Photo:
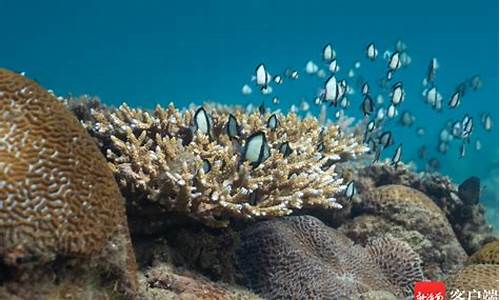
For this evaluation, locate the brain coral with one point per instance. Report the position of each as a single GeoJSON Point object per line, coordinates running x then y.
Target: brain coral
{"type": "Point", "coordinates": [301, 258]}
{"type": "Point", "coordinates": [57, 194]}
{"type": "Point", "coordinates": [482, 278]}
{"type": "Point", "coordinates": [418, 220]}
{"type": "Point", "coordinates": [488, 254]}
{"type": "Point", "coordinates": [162, 157]}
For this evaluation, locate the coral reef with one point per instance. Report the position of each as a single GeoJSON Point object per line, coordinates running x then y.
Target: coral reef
{"type": "Point", "coordinates": [163, 278]}
{"type": "Point", "coordinates": [301, 258]}
{"type": "Point", "coordinates": [413, 217]}
{"type": "Point", "coordinates": [197, 163]}
{"type": "Point", "coordinates": [488, 254]}
{"type": "Point", "coordinates": [58, 200]}
{"type": "Point", "coordinates": [479, 278]}
{"type": "Point", "coordinates": [466, 218]}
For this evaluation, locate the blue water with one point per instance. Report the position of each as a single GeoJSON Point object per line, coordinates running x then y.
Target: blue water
{"type": "Point", "coordinates": [148, 52]}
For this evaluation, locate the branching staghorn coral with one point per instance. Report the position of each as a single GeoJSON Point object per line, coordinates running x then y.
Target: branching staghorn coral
{"type": "Point", "coordinates": [161, 156]}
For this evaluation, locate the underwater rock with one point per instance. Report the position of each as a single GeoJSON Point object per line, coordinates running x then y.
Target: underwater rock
{"type": "Point", "coordinates": [301, 258]}
{"type": "Point", "coordinates": [468, 221]}
{"type": "Point", "coordinates": [62, 215]}
{"type": "Point", "coordinates": [413, 217]}
{"type": "Point", "coordinates": [163, 158]}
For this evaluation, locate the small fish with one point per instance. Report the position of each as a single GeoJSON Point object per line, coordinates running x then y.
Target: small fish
{"type": "Point", "coordinates": [351, 73]}
{"type": "Point", "coordinates": [273, 122]}
{"type": "Point", "coordinates": [422, 152]}
{"type": "Point", "coordinates": [478, 145]}
{"type": "Point", "coordinates": [442, 147]}
{"type": "Point", "coordinates": [394, 62]}
{"type": "Point", "coordinates": [331, 89]}
{"type": "Point", "coordinates": [321, 73]}
{"type": "Point", "coordinates": [206, 166]}
{"type": "Point", "coordinates": [304, 106]}
{"type": "Point", "coordinates": [407, 119]}
{"type": "Point", "coordinates": [293, 74]}
{"type": "Point", "coordinates": [371, 52]}
{"type": "Point", "coordinates": [400, 45]}
{"type": "Point", "coordinates": [392, 111]}
{"type": "Point", "coordinates": [328, 53]}
{"type": "Point", "coordinates": [311, 67]}
{"type": "Point", "coordinates": [344, 103]}
{"type": "Point", "coordinates": [365, 89]}
{"type": "Point", "coordinates": [357, 65]}
{"type": "Point", "coordinates": [321, 147]}
{"type": "Point", "coordinates": [262, 108]}
{"type": "Point", "coordinates": [454, 100]}
{"type": "Point", "coordinates": [487, 122]}
{"type": "Point", "coordinates": [275, 100]}
{"type": "Point", "coordinates": [266, 90]}
{"type": "Point", "coordinates": [389, 75]}
{"type": "Point", "coordinates": [475, 82]}
{"type": "Point", "coordinates": [246, 90]}
{"type": "Point", "coordinates": [202, 121]}
{"type": "Point", "coordinates": [350, 190]}
{"type": "Point", "coordinates": [397, 93]}
{"type": "Point", "coordinates": [380, 99]}
{"type": "Point", "coordinates": [380, 114]}
{"type": "Point", "coordinates": [405, 59]}
{"type": "Point", "coordinates": [456, 129]}
{"type": "Point", "coordinates": [420, 131]}
{"type": "Point", "coordinates": [431, 70]}
{"type": "Point", "coordinates": [285, 149]}
{"type": "Point", "coordinates": [470, 190]}
{"type": "Point", "coordinates": [256, 149]}
{"type": "Point", "coordinates": [278, 79]}
{"type": "Point", "coordinates": [370, 126]}
{"type": "Point", "coordinates": [317, 100]}
{"type": "Point", "coordinates": [432, 96]}
{"type": "Point", "coordinates": [462, 150]}
{"type": "Point", "coordinates": [444, 135]}
{"type": "Point", "coordinates": [396, 158]}
{"type": "Point", "coordinates": [385, 139]}
{"type": "Point", "coordinates": [232, 127]}
{"type": "Point", "coordinates": [367, 105]}
{"type": "Point", "coordinates": [333, 67]}
{"type": "Point", "coordinates": [467, 126]}
{"type": "Point", "coordinates": [261, 76]}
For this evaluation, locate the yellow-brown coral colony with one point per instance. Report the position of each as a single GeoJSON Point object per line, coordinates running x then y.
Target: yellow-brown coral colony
{"type": "Point", "coordinates": [161, 155]}
{"type": "Point", "coordinates": [57, 194]}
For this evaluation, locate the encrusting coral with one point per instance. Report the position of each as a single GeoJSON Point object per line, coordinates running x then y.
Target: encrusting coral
{"type": "Point", "coordinates": [58, 199]}
{"type": "Point", "coordinates": [301, 258]}
{"type": "Point", "coordinates": [205, 170]}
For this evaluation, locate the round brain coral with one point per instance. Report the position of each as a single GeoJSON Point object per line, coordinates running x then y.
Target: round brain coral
{"type": "Point", "coordinates": [488, 254]}
{"type": "Point", "coordinates": [57, 194]}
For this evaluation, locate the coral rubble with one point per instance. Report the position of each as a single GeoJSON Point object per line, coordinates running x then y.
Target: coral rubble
{"type": "Point", "coordinates": [58, 200]}
{"type": "Point", "coordinates": [301, 258]}
{"type": "Point", "coordinates": [161, 157]}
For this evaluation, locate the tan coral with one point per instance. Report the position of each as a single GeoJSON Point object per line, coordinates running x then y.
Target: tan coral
{"type": "Point", "coordinates": [398, 206]}
{"type": "Point", "coordinates": [488, 254]}
{"type": "Point", "coordinates": [157, 155]}
{"type": "Point", "coordinates": [57, 194]}
{"type": "Point", "coordinates": [472, 279]}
